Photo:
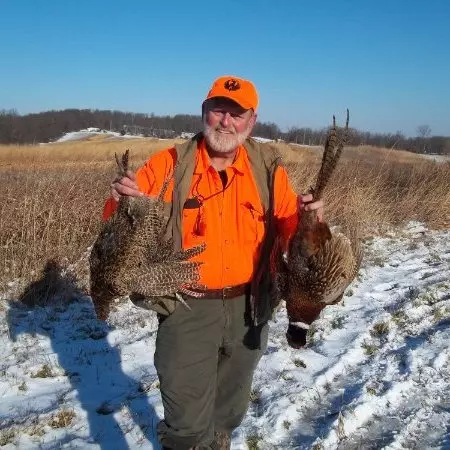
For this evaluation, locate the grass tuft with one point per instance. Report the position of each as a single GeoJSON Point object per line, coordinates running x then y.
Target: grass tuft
{"type": "Point", "coordinates": [23, 387]}
{"type": "Point", "coordinates": [7, 436]}
{"type": "Point", "coordinates": [369, 349]}
{"type": "Point", "coordinates": [253, 441]}
{"type": "Point", "coordinates": [44, 372]}
{"type": "Point", "coordinates": [62, 419]}
{"type": "Point", "coordinates": [380, 329]}
{"type": "Point", "coordinates": [299, 363]}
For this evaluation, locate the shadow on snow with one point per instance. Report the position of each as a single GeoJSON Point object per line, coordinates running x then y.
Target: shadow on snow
{"type": "Point", "coordinates": [56, 309]}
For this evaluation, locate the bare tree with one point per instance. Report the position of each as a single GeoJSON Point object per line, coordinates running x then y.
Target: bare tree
{"type": "Point", "coordinates": [424, 131]}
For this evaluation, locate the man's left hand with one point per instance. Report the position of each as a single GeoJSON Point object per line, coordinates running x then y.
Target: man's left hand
{"type": "Point", "coordinates": [306, 203]}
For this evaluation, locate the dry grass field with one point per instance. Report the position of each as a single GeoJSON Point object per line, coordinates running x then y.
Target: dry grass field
{"type": "Point", "coordinates": [52, 195]}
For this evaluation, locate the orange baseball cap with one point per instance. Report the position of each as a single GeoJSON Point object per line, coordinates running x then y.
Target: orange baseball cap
{"type": "Point", "coordinates": [237, 89]}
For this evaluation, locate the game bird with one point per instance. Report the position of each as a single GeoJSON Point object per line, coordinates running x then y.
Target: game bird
{"type": "Point", "coordinates": [132, 256]}
{"type": "Point", "coordinates": [319, 264]}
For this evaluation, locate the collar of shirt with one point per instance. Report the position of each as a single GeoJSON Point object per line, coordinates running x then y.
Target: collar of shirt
{"type": "Point", "coordinates": [203, 163]}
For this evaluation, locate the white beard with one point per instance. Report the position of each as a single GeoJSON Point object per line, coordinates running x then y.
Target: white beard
{"type": "Point", "coordinates": [224, 142]}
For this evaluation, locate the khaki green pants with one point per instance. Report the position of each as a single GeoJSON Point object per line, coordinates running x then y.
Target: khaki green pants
{"type": "Point", "coordinates": [205, 359]}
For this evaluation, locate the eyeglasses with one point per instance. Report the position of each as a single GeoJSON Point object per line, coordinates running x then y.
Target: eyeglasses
{"type": "Point", "coordinates": [234, 116]}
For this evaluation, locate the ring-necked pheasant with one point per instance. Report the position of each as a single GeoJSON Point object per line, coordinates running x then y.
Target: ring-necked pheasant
{"type": "Point", "coordinates": [132, 256]}
{"type": "Point", "coordinates": [319, 264]}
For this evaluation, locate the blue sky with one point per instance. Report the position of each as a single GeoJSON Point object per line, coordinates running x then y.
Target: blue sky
{"type": "Point", "coordinates": [388, 61]}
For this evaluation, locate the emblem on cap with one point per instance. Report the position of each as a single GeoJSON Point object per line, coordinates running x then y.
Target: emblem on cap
{"type": "Point", "coordinates": [232, 84]}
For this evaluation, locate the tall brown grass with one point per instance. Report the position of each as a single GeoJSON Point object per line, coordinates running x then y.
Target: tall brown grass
{"type": "Point", "coordinates": [52, 196]}
{"type": "Point", "coordinates": [96, 150]}
{"type": "Point", "coordinates": [378, 187]}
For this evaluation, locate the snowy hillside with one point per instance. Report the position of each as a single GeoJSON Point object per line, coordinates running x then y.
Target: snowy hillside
{"type": "Point", "coordinates": [374, 375]}
{"type": "Point", "coordinates": [84, 135]}
{"type": "Point", "coordinates": [88, 133]}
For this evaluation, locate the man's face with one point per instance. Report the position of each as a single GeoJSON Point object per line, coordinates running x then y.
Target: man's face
{"type": "Point", "coordinates": [226, 124]}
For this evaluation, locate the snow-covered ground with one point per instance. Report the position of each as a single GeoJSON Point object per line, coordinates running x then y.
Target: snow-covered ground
{"type": "Point", "coordinates": [374, 375]}
{"type": "Point", "coordinates": [438, 158]}
{"type": "Point", "coordinates": [261, 139]}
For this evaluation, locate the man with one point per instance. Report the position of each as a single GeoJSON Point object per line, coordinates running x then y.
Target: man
{"type": "Point", "coordinates": [229, 192]}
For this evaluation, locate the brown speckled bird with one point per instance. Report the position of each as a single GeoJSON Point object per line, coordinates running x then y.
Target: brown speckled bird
{"type": "Point", "coordinates": [319, 264]}
{"type": "Point", "coordinates": [132, 256]}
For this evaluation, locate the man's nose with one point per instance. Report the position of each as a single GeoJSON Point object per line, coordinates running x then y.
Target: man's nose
{"type": "Point", "coordinates": [226, 119]}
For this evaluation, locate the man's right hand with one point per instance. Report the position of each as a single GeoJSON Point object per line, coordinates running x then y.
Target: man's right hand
{"type": "Point", "coordinates": [125, 186]}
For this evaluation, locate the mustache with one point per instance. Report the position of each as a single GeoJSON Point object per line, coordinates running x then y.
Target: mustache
{"type": "Point", "coordinates": [219, 128]}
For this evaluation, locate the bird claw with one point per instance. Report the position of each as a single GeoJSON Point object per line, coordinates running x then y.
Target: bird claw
{"type": "Point", "coordinates": [182, 301]}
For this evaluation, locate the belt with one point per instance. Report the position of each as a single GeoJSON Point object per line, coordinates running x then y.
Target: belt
{"type": "Point", "coordinates": [224, 293]}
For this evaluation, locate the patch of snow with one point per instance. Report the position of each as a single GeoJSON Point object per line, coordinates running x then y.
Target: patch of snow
{"type": "Point", "coordinates": [186, 135]}
{"type": "Point", "coordinates": [261, 139]}
{"type": "Point", "coordinates": [313, 147]}
{"type": "Point", "coordinates": [437, 158]}
{"type": "Point", "coordinates": [83, 135]}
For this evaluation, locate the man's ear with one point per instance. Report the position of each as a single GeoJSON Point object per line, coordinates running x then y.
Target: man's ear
{"type": "Point", "coordinates": [252, 120]}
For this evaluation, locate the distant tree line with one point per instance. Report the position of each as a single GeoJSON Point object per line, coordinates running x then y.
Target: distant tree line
{"type": "Point", "coordinates": [420, 144]}
{"type": "Point", "coordinates": [50, 125]}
